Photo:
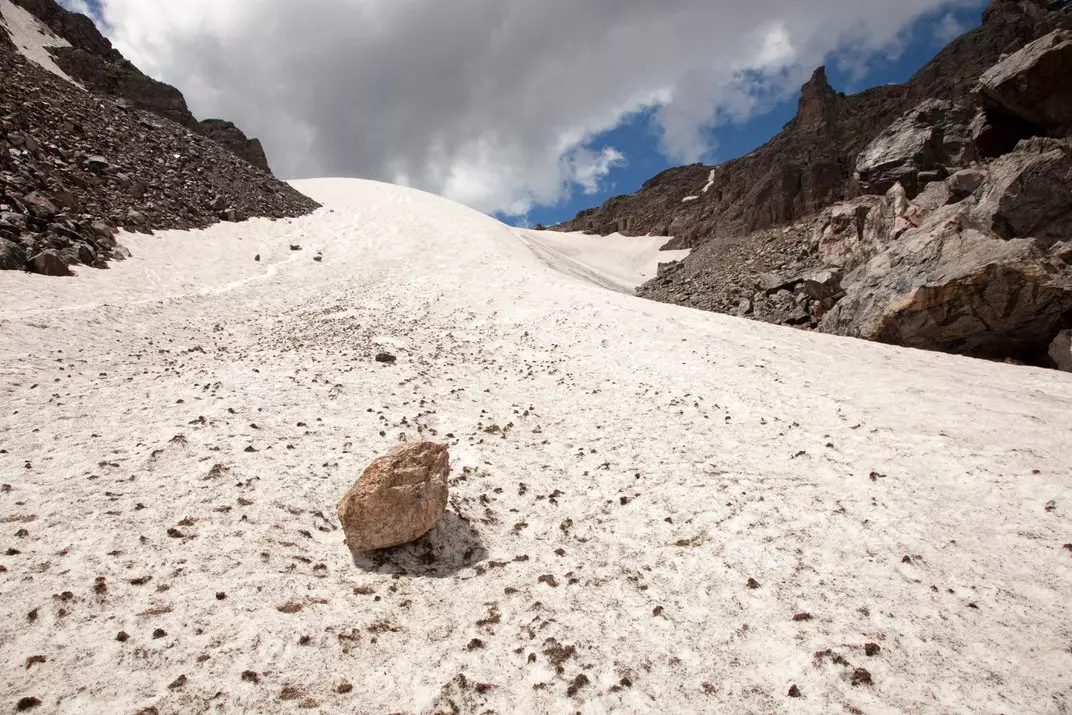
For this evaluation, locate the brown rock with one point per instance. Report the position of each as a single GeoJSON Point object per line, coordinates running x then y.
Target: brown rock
{"type": "Point", "coordinates": [1061, 350]}
{"type": "Point", "coordinates": [49, 263]}
{"type": "Point", "coordinates": [398, 498]}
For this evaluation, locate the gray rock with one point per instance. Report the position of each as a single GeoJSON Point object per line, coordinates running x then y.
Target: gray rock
{"type": "Point", "coordinates": [935, 195]}
{"type": "Point", "coordinates": [12, 256]}
{"type": "Point", "coordinates": [1061, 350]}
{"type": "Point", "coordinates": [1028, 192]}
{"type": "Point", "coordinates": [948, 286]}
{"type": "Point", "coordinates": [932, 136]}
{"type": "Point", "coordinates": [39, 205]}
{"type": "Point", "coordinates": [49, 263]}
{"type": "Point", "coordinates": [1035, 83]}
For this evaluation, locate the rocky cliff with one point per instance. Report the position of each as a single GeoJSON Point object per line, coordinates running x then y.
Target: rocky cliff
{"type": "Point", "coordinates": [93, 62]}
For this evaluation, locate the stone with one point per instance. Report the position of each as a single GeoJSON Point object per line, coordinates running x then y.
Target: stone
{"type": "Point", "coordinates": [295, 247]}
{"type": "Point", "coordinates": [97, 163]}
{"type": "Point", "coordinates": [963, 183]}
{"type": "Point", "coordinates": [1027, 192]}
{"type": "Point", "coordinates": [399, 497]}
{"type": "Point", "coordinates": [136, 218]}
{"type": "Point", "coordinates": [1035, 83]}
{"type": "Point", "coordinates": [934, 195]}
{"type": "Point", "coordinates": [950, 286]}
{"type": "Point", "coordinates": [12, 256]}
{"type": "Point", "coordinates": [1061, 350]}
{"type": "Point", "coordinates": [49, 263]}
{"type": "Point", "coordinates": [39, 205]}
{"type": "Point", "coordinates": [386, 358]}
{"type": "Point", "coordinates": [930, 137]}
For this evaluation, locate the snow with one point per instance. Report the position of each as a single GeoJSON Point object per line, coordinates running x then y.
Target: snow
{"type": "Point", "coordinates": [710, 182]}
{"type": "Point", "coordinates": [652, 460]}
{"type": "Point", "coordinates": [32, 38]}
{"type": "Point", "coordinates": [616, 262]}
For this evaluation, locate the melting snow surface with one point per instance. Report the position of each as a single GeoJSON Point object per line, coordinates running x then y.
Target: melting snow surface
{"type": "Point", "coordinates": [679, 511]}
{"type": "Point", "coordinates": [32, 38]}
{"type": "Point", "coordinates": [710, 181]}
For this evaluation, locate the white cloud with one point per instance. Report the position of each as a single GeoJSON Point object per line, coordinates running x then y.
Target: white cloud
{"type": "Point", "coordinates": [948, 28]}
{"type": "Point", "coordinates": [490, 102]}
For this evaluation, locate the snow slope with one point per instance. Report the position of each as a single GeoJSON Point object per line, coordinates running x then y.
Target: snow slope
{"type": "Point", "coordinates": [176, 433]}
{"type": "Point", "coordinates": [32, 38]}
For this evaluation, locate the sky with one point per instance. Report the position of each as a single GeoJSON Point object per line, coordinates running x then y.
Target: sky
{"type": "Point", "coordinates": [530, 110]}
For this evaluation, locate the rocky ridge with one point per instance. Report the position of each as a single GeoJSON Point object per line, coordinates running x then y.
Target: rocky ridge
{"type": "Point", "coordinates": [934, 221]}
{"type": "Point", "coordinates": [75, 167]}
{"type": "Point", "coordinates": [92, 61]}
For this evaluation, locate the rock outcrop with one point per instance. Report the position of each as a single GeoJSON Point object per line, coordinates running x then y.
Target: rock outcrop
{"type": "Point", "coordinates": [1035, 84]}
{"type": "Point", "coordinates": [75, 167]}
{"type": "Point", "coordinates": [92, 61]}
{"type": "Point", "coordinates": [399, 497]}
{"type": "Point", "coordinates": [952, 235]}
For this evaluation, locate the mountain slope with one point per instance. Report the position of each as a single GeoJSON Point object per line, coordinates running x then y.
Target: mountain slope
{"type": "Point", "coordinates": [91, 60]}
{"type": "Point", "coordinates": [177, 435]}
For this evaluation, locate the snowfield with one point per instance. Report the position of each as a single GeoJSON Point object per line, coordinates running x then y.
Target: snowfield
{"type": "Point", "coordinates": [653, 509]}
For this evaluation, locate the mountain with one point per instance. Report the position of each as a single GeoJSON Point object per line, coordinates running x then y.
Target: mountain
{"type": "Point", "coordinates": [757, 223]}
{"type": "Point", "coordinates": [651, 508]}
{"type": "Point", "coordinates": [93, 62]}
{"type": "Point", "coordinates": [78, 163]}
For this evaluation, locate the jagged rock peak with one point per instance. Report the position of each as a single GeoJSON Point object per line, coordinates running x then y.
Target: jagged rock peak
{"type": "Point", "coordinates": [817, 97]}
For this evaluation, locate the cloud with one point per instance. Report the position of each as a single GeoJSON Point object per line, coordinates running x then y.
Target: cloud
{"type": "Point", "coordinates": [948, 28]}
{"type": "Point", "coordinates": [494, 103]}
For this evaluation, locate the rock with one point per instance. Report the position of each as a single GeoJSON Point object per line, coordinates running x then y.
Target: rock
{"type": "Point", "coordinates": [952, 287]}
{"type": "Point", "coordinates": [97, 163]}
{"type": "Point", "coordinates": [1035, 83]}
{"type": "Point", "coordinates": [12, 256]}
{"type": "Point", "coordinates": [1061, 350]}
{"type": "Point", "coordinates": [49, 263]}
{"type": "Point", "coordinates": [136, 218]}
{"type": "Point", "coordinates": [386, 358]}
{"type": "Point", "coordinates": [1062, 251]}
{"type": "Point", "coordinates": [229, 215]}
{"type": "Point", "coordinates": [934, 195]}
{"type": "Point", "coordinates": [824, 284]}
{"type": "Point", "coordinates": [930, 137]}
{"type": "Point", "coordinates": [1027, 192]}
{"type": "Point", "coordinates": [257, 258]}
{"type": "Point", "coordinates": [318, 258]}
{"type": "Point", "coordinates": [40, 205]}
{"type": "Point", "coordinates": [295, 247]}
{"type": "Point", "coordinates": [963, 183]}
{"type": "Point", "coordinates": [398, 498]}
{"type": "Point", "coordinates": [774, 282]}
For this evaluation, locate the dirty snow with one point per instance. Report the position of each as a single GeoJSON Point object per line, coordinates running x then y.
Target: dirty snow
{"type": "Point", "coordinates": [617, 262]}
{"type": "Point", "coordinates": [32, 38]}
{"type": "Point", "coordinates": [176, 433]}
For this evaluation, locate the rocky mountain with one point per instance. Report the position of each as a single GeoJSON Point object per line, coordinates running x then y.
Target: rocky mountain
{"type": "Point", "coordinates": [94, 63]}
{"type": "Point", "coordinates": [77, 165]}
{"type": "Point", "coordinates": [878, 165]}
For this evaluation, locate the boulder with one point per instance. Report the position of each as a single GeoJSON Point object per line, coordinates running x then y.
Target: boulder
{"type": "Point", "coordinates": [12, 256]}
{"type": "Point", "coordinates": [964, 182]}
{"type": "Point", "coordinates": [935, 195]}
{"type": "Point", "coordinates": [1061, 350]}
{"type": "Point", "coordinates": [1035, 83]}
{"type": "Point", "coordinates": [1027, 193]}
{"type": "Point", "coordinates": [49, 263]}
{"type": "Point", "coordinates": [398, 498]}
{"type": "Point", "coordinates": [40, 205]}
{"type": "Point", "coordinates": [952, 287]}
{"type": "Point", "coordinates": [926, 140]}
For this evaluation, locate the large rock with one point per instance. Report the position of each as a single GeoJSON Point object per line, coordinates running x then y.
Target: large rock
{"type": "Point", "coordinates": [1028, 193]}
{"type": "Point", "coordinates": [928, 139]}
{"type": "Point", "coordinates": [399, 497]}
{"type": "Point", "coordinates": [1061, 350]}
{"type": "Point", "coordinates": [12, 256]}
{"type": "Point", "coordinates": [951, 287]}
{"type": "Point", "coordinates": [49, 263]}
{"type": "Point", "coordinates": [1035, 83]}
